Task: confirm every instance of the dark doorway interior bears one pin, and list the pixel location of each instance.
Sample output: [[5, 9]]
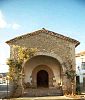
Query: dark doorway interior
[[42, 78], [77, 84]]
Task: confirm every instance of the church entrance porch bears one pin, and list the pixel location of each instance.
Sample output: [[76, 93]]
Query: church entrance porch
[[42, 79], [44, 76]]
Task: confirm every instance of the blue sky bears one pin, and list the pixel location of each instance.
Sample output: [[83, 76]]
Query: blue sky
[[18, 17]]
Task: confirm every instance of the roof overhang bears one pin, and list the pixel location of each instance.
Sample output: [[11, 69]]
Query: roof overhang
[[43, 30]]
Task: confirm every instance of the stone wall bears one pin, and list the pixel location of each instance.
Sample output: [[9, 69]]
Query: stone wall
[[49, 45]]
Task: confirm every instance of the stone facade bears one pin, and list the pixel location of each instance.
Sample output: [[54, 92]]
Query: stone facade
[[56, 53]]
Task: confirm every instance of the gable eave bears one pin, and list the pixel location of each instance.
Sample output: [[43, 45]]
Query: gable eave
[[12, 41]]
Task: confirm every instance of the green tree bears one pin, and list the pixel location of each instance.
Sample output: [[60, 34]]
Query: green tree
[[15, 64]]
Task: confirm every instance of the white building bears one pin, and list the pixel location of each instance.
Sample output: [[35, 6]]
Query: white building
[[80, 69], [1, 78]]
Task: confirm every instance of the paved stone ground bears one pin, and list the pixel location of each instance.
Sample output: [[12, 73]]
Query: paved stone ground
[[49, 98], [41, 98], [80, 97], [3, 92], [46, 98]]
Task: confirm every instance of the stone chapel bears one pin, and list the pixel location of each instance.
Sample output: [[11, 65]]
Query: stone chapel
[[46, 70]]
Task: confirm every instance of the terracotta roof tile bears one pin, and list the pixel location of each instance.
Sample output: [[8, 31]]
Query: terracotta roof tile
[[80, 54]]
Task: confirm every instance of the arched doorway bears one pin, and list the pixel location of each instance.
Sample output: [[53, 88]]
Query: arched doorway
[[42, 78], [48, 70]]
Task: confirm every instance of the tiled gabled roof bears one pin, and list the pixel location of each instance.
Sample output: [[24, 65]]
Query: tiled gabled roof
[[43, 30], [80, 54]]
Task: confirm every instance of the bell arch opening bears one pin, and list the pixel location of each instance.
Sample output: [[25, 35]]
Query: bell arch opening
[[42, 78]]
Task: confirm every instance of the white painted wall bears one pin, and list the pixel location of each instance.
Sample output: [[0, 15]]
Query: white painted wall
[[80, 71]]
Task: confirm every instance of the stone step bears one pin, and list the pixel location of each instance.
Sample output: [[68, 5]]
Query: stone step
[[42, 92]]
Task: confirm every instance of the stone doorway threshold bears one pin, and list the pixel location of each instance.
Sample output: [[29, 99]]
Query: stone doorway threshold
[[42, 92]]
